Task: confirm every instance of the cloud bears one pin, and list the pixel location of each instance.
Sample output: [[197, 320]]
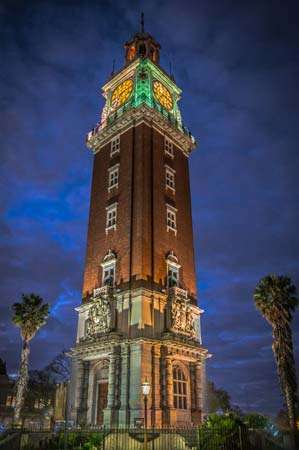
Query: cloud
[[237, 65]]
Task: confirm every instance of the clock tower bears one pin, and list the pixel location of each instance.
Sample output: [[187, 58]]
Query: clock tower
[[139, 318]]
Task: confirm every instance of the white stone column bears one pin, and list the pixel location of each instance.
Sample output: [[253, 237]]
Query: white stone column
[[83, 386], [109, 415], [124, 385], [200, 388], [170, 417], [198, 385], [135, 399], [156, 387], [169, 382], [204, 403], [192, 387]]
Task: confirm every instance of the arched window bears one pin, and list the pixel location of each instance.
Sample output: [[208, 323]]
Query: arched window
[[142, 50], [173, 268], [109, 265], [179, 388]]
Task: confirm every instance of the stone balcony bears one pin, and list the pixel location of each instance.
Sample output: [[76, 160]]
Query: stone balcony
[[104, 290], [176, 291]]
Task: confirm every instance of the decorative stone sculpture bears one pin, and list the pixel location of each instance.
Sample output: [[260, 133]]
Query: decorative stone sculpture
[[182, 317], [99, 317]]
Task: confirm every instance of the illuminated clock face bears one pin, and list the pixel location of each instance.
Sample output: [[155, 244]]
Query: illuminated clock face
[[121, 93], [163, 95]]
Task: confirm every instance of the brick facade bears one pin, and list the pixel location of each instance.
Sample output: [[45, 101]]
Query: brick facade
[[141, 240]]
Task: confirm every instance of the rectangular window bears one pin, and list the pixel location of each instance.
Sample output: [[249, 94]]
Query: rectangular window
[[109, 275], [113, 173], [111, 217], [168, 147], [171, 218], [172, 276], [180, 389], [170, 178], [115, 145]]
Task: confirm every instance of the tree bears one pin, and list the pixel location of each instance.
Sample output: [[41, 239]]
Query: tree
[[59, 368], [256, 420], [29, 315], [42, 383], [222, 432], [218, 399], [276, 298]]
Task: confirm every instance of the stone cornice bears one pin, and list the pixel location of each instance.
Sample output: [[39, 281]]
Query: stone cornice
[[120, 76], [92, 348], [134, 117]]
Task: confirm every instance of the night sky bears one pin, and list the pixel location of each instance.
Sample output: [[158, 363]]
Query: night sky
[[238, 66]]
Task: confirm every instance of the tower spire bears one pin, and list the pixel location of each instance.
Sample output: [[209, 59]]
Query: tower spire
[[142, 22]]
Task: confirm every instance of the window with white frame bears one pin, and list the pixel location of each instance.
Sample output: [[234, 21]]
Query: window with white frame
[[115, 145], [108, 269], [113, 174], [108, 274], [111, 216], [179, 389], [169, 178], [171, 218], [168, 147]]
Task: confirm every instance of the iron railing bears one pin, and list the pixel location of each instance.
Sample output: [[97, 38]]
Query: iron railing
[[197, 438]]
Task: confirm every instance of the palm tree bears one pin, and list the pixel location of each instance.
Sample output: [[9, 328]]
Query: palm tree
[[276, 298], [30, 315]]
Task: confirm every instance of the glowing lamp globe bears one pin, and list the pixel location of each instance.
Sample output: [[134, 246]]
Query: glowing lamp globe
[[146, 387]]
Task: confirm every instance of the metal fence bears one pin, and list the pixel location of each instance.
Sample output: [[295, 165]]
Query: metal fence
[[240, 438], [11, 442]]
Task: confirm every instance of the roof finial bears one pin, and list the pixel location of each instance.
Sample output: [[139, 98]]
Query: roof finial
[[142, 22]]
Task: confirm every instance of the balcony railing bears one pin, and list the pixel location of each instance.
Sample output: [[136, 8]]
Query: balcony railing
[[104, 290], [178, 292], [167, 115]]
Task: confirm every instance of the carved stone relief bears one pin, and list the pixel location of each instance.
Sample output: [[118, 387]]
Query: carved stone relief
[[99, 317], [182, 318]]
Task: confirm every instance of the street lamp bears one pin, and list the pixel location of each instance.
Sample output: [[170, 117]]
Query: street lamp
[[146, 387]]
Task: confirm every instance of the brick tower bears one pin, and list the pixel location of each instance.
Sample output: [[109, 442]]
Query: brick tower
[[139, 318]]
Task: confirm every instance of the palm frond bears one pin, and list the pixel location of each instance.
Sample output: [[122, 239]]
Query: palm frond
[[30, 314]]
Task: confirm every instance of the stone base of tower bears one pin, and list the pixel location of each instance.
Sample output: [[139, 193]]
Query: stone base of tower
[[107, 382]]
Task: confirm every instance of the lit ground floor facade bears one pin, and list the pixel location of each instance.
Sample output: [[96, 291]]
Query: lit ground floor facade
[[126, 338], [106, 383]]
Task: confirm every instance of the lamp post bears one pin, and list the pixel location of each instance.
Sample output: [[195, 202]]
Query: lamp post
[[146, 387]]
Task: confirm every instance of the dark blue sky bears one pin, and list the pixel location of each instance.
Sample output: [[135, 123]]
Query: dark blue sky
[[238, 66]]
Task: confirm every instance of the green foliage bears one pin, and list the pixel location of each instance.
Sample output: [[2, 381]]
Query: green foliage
[[30, 315], [256, 420], [276, 298], [222, 431], [227, 422], [76, 440], [218, 399]]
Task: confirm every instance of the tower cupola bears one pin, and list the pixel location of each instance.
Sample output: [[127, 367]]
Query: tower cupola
[[142, 45]]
